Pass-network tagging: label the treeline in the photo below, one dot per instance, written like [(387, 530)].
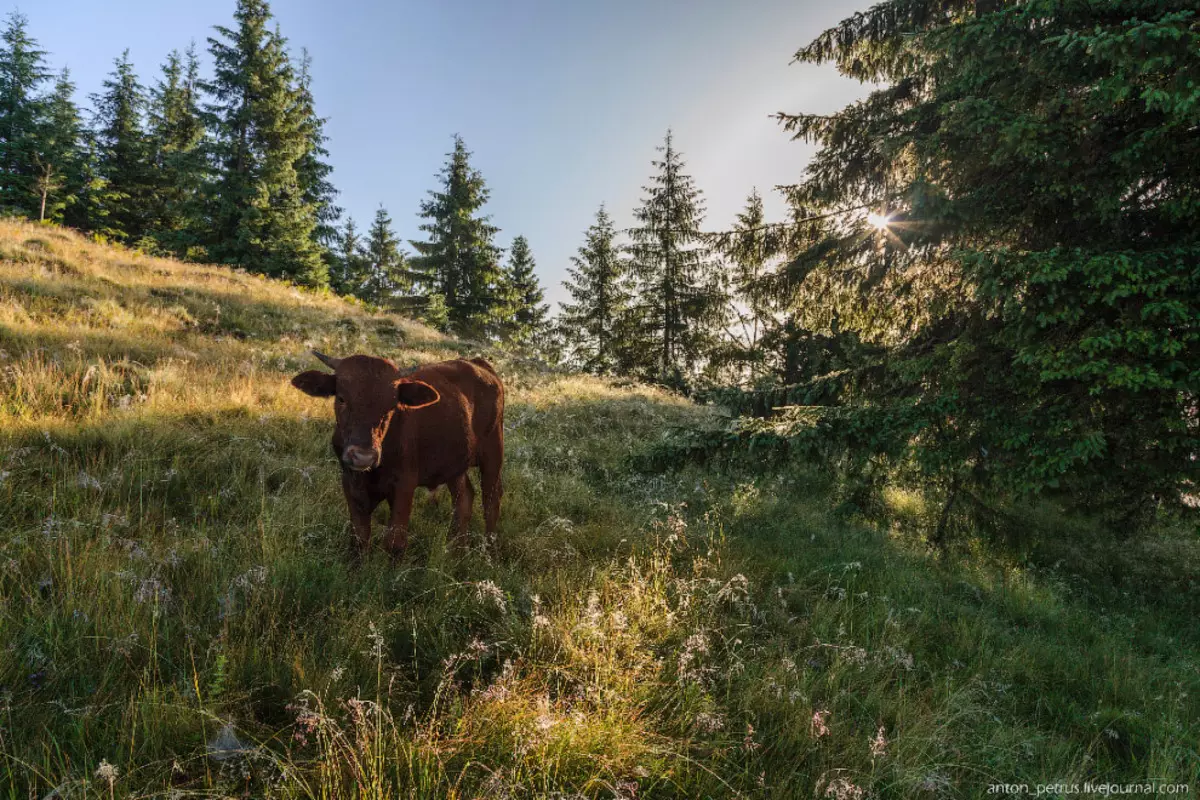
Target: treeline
[(668, 302), (988, 281), (231, 168)]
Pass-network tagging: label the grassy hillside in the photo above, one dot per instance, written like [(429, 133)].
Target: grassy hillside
[(178, 615)]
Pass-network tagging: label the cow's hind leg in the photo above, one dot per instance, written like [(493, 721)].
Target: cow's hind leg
[(463, 495), (491, 461)]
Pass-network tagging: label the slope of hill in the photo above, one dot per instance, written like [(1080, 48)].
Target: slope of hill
[(177, 614)]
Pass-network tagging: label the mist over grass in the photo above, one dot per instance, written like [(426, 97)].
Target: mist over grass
[(178, 614)]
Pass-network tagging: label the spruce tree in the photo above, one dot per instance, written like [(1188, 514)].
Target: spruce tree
[(459, 260), (680, 296), (1011, 214), (176, 135), (59, 156), (124, 150), (599, 289), (261, 219), (22, 73), (349, 272), (312, 169), (386, 268), (749, 248), (524, 315)]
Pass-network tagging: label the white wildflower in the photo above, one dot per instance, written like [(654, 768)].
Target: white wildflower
[(489, 592), (879, 745), (820, 718), (709, 722), (844, 789), (87, 481), (106, 772)]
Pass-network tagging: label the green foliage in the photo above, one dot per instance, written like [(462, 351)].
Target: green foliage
[(22, 73), (459, 260), (350, 266), (261, 219), (523, 315), (680, 302), (601, 295), (59, 160), (313, 169), (124, 155), (1033, 280), (386, 276), (180, 172)]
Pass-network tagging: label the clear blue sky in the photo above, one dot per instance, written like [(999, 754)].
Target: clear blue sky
[(561, 101)]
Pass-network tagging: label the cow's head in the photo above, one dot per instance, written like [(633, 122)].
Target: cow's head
[(368, 392)]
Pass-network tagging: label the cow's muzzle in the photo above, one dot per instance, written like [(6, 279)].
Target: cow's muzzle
[(360, 458)]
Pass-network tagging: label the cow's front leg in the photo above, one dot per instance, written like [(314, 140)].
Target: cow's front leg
[(402, 503), (361, 507)]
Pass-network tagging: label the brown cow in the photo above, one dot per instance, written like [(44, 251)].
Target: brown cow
[(398, 430)]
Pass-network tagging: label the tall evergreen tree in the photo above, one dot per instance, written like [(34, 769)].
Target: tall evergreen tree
[(22, 73), (459, 260), (313, 170), (59, 156), (176, 134), (124, 153), (749, 249), (386, 266), (1033, 177), (350, 266), (261, 219), (525, 312), (680, 295), (599, 289)]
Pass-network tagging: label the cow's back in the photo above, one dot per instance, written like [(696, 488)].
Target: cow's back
[(445, 437)]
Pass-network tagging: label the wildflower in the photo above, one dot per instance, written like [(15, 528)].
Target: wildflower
[(106, 772), (152, 590), (87, 481), (819, 718), (879, 744), (377, 641), (694, 647), (900, 657), (709, 722), (843, 789), (489, 592), (934, 782), (251, 578), (748, 743), (736, 591)]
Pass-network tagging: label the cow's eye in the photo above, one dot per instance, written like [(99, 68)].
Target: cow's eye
[(341, 399)]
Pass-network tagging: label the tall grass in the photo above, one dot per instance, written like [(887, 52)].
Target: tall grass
[(178, 617)]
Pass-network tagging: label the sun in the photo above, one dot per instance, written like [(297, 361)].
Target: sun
[(879, 221)]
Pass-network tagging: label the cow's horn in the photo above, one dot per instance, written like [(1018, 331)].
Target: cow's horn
[(328, 361)]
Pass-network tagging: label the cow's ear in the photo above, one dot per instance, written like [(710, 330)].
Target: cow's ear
[(416, 394), (316, 383)]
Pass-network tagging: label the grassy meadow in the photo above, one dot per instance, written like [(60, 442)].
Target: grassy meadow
[(178, 616)]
